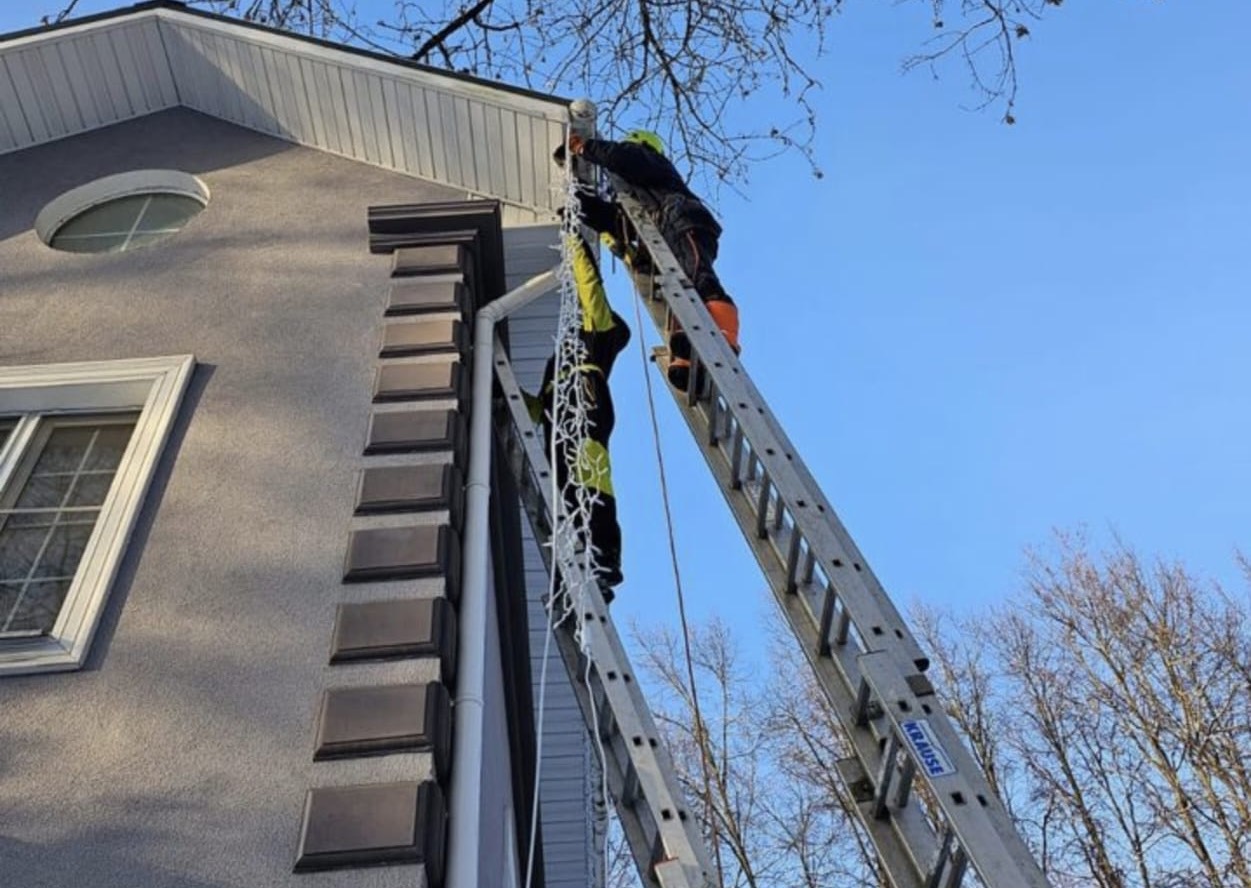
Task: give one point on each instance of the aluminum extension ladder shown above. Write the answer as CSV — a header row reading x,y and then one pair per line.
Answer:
x,y
866,660
663,835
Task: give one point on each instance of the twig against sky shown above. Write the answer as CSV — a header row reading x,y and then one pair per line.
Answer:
x,y
727,83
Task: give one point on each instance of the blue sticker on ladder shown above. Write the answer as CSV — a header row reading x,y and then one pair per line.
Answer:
x,y
930,752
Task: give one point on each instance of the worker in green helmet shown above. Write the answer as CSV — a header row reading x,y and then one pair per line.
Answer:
x,y
687,225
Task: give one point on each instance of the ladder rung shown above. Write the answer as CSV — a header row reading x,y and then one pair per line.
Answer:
x,y
762,508
736,457
828,600
940,862
792,560
714,407
862,711
903,783
885,776
956,870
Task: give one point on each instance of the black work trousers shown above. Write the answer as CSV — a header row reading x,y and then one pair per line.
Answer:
x,y
591,474
696,250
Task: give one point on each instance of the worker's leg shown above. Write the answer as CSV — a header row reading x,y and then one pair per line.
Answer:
x,y
695,252
594,473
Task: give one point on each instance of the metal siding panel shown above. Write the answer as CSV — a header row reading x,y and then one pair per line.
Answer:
x,y
244,112
8,139
28,99
413,127
259,102
200,81
525,153
114,79
307,82
54,119
381,121
438,147
356,85
285,70
216,79
70,91
510,154
149,33
282,116
466,146
451,143
343,102
402,150
89,55
228,101
11,108
193,60
123,57
284,111
253,115
553,134
480,142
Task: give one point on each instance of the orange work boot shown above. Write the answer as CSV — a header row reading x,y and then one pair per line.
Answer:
x,y
724,315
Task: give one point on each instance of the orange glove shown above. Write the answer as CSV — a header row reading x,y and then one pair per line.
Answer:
x,y
575,143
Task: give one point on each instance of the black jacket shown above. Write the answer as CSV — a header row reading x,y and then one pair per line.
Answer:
x,y
655,181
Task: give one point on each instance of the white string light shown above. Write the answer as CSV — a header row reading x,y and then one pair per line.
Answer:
x,y
573,551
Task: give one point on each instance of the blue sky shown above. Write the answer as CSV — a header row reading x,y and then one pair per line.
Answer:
x,y
975,333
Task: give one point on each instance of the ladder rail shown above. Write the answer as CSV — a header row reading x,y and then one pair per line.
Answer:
x,y
663,836
865,658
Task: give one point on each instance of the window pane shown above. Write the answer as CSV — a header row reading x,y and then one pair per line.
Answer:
x,y
64,450
19,549
115,217
34,608
90,490
168,211
44,534
45,491
110,244
109,446
63,550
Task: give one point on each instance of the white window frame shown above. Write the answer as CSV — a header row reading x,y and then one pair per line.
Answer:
x,y
152,386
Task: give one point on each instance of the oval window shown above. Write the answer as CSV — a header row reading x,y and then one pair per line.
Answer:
x,y
123,212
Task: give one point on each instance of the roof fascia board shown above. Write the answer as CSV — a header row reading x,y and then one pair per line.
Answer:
x,y
550,108
49,34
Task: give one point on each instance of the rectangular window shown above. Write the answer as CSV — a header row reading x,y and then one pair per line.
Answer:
x,y
79,444
48,511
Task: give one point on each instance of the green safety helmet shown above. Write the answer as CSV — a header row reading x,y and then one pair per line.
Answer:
x,y
646,137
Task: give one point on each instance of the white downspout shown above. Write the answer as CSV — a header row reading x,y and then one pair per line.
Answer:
x,y
465,805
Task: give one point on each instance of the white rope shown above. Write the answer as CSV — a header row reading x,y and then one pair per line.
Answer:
x,y
573,552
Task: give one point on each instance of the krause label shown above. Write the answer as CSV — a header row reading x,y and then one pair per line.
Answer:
x,y
934,758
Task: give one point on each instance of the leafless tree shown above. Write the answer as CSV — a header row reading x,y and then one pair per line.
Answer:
x,y
727,82
1111,703
770,804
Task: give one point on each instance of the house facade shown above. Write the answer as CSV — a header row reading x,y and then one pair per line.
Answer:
x,y
238,277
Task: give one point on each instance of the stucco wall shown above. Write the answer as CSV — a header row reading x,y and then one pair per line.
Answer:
x,y
180,757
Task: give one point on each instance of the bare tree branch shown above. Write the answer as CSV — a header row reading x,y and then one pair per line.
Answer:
x,y
728,83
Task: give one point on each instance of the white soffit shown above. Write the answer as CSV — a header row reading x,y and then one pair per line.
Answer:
x,y
456,132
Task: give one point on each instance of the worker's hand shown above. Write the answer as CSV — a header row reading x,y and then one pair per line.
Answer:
x,y
576,143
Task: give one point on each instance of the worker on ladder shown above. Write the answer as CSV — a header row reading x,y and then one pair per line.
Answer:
x,y
688,226
603,334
